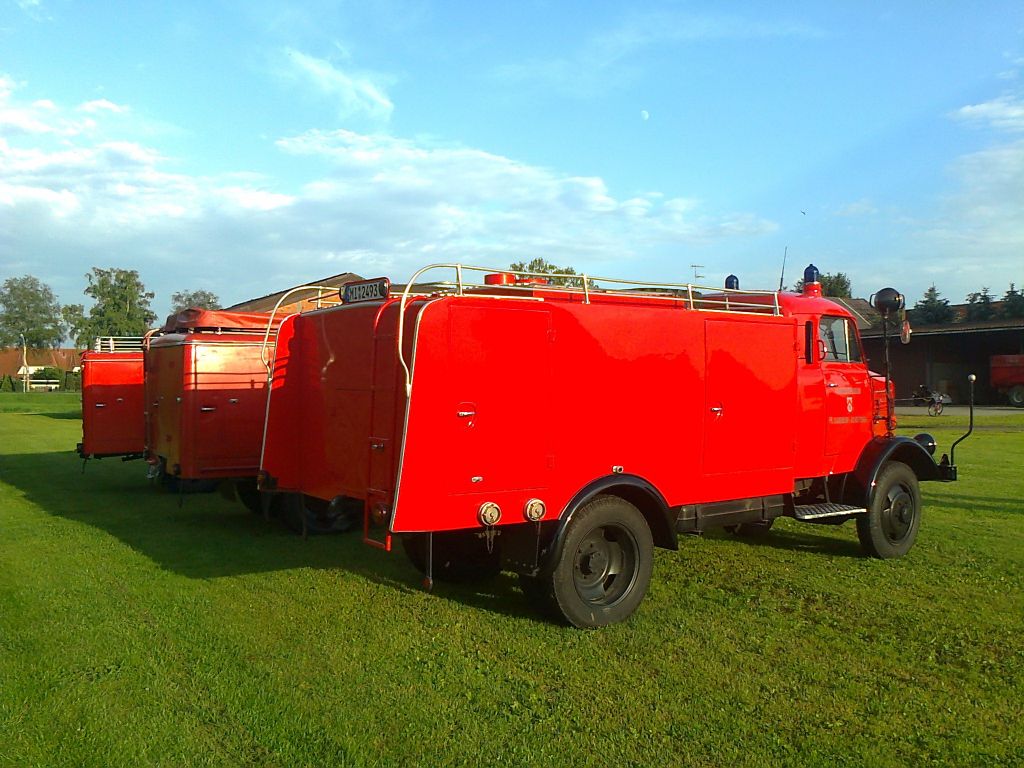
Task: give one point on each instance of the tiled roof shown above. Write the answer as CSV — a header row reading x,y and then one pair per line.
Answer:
x,y
65,359
268,302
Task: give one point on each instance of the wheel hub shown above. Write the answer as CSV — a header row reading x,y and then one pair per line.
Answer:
x,y
900,517
594,563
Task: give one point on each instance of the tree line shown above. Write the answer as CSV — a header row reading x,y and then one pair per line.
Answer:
x,y
121,306
932,309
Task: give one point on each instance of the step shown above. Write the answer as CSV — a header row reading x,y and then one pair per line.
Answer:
x,y
818,511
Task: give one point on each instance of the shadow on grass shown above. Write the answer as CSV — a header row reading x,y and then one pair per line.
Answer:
x,y
205,536
801,537
61,415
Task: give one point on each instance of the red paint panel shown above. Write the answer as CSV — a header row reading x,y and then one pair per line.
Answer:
x,y
113,404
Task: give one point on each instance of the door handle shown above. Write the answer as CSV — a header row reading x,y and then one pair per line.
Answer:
x,y
208,408
465,414
101,405
832,384
716,409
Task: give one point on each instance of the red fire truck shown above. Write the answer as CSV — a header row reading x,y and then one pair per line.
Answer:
x,y
563,431
113,410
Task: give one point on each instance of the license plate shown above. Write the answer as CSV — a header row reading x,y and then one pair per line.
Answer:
x,y
367,290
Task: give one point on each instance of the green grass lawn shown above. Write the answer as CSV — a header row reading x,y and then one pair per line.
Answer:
x,y
137,630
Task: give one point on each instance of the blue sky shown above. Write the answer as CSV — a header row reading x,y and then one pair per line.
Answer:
x,y
246,147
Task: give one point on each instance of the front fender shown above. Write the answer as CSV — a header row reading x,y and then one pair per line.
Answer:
x,y
884,449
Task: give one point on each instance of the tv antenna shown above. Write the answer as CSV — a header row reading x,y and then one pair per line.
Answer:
x,y
695,267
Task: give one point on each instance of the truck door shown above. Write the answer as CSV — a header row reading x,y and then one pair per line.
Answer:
x,y
499,390
847,388
750,394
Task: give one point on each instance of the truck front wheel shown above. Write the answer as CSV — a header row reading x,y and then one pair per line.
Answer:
x,y
890,526
601,573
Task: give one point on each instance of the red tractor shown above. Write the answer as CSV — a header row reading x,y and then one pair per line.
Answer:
x,y
563,431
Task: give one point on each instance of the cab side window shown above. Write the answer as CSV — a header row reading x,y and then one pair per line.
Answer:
x,y
840,340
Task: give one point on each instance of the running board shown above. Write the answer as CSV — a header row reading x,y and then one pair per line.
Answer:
x,y
819,511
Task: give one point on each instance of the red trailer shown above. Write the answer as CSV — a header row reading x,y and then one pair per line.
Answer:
x,y
561,432
206,394
1007,376
113,409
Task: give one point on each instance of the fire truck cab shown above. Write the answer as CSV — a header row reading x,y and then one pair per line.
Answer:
x,y
563,431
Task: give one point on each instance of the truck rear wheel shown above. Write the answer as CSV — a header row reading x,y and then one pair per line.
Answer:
x,y
601,573
320,516
459,556
890,527
1017,396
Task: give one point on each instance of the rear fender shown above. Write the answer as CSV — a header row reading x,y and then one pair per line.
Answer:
x,y
885,449
638,492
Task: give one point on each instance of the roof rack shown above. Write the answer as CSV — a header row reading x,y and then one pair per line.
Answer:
x,y
584,288
118,344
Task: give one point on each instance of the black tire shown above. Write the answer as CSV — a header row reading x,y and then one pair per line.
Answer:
x,y
752,530
601,573
249,495
890,527
459,557
1017,396
320,516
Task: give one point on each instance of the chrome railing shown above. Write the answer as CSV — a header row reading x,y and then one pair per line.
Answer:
x,y
118,343
587,288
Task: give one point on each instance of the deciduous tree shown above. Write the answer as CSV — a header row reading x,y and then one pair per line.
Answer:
x,y
28,307
560,275
199,298
837,285
121,305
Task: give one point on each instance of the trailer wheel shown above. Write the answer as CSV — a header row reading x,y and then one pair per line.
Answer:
x,y
890,527
459,556
319,515
601,573
1017,396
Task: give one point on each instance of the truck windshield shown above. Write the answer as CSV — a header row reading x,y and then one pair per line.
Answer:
x,y
840,340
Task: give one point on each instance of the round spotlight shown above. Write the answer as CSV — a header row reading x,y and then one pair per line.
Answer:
x,y
490,513
927,442
534,510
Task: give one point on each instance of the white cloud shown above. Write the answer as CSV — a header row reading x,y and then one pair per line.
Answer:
x,y
1005,113
603,59
862,207
382,204
353,93
102,105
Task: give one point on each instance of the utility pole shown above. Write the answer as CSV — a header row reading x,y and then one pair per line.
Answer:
x,y
24,363
695,267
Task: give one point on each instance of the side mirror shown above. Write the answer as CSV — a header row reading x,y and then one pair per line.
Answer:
x,y
822,350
